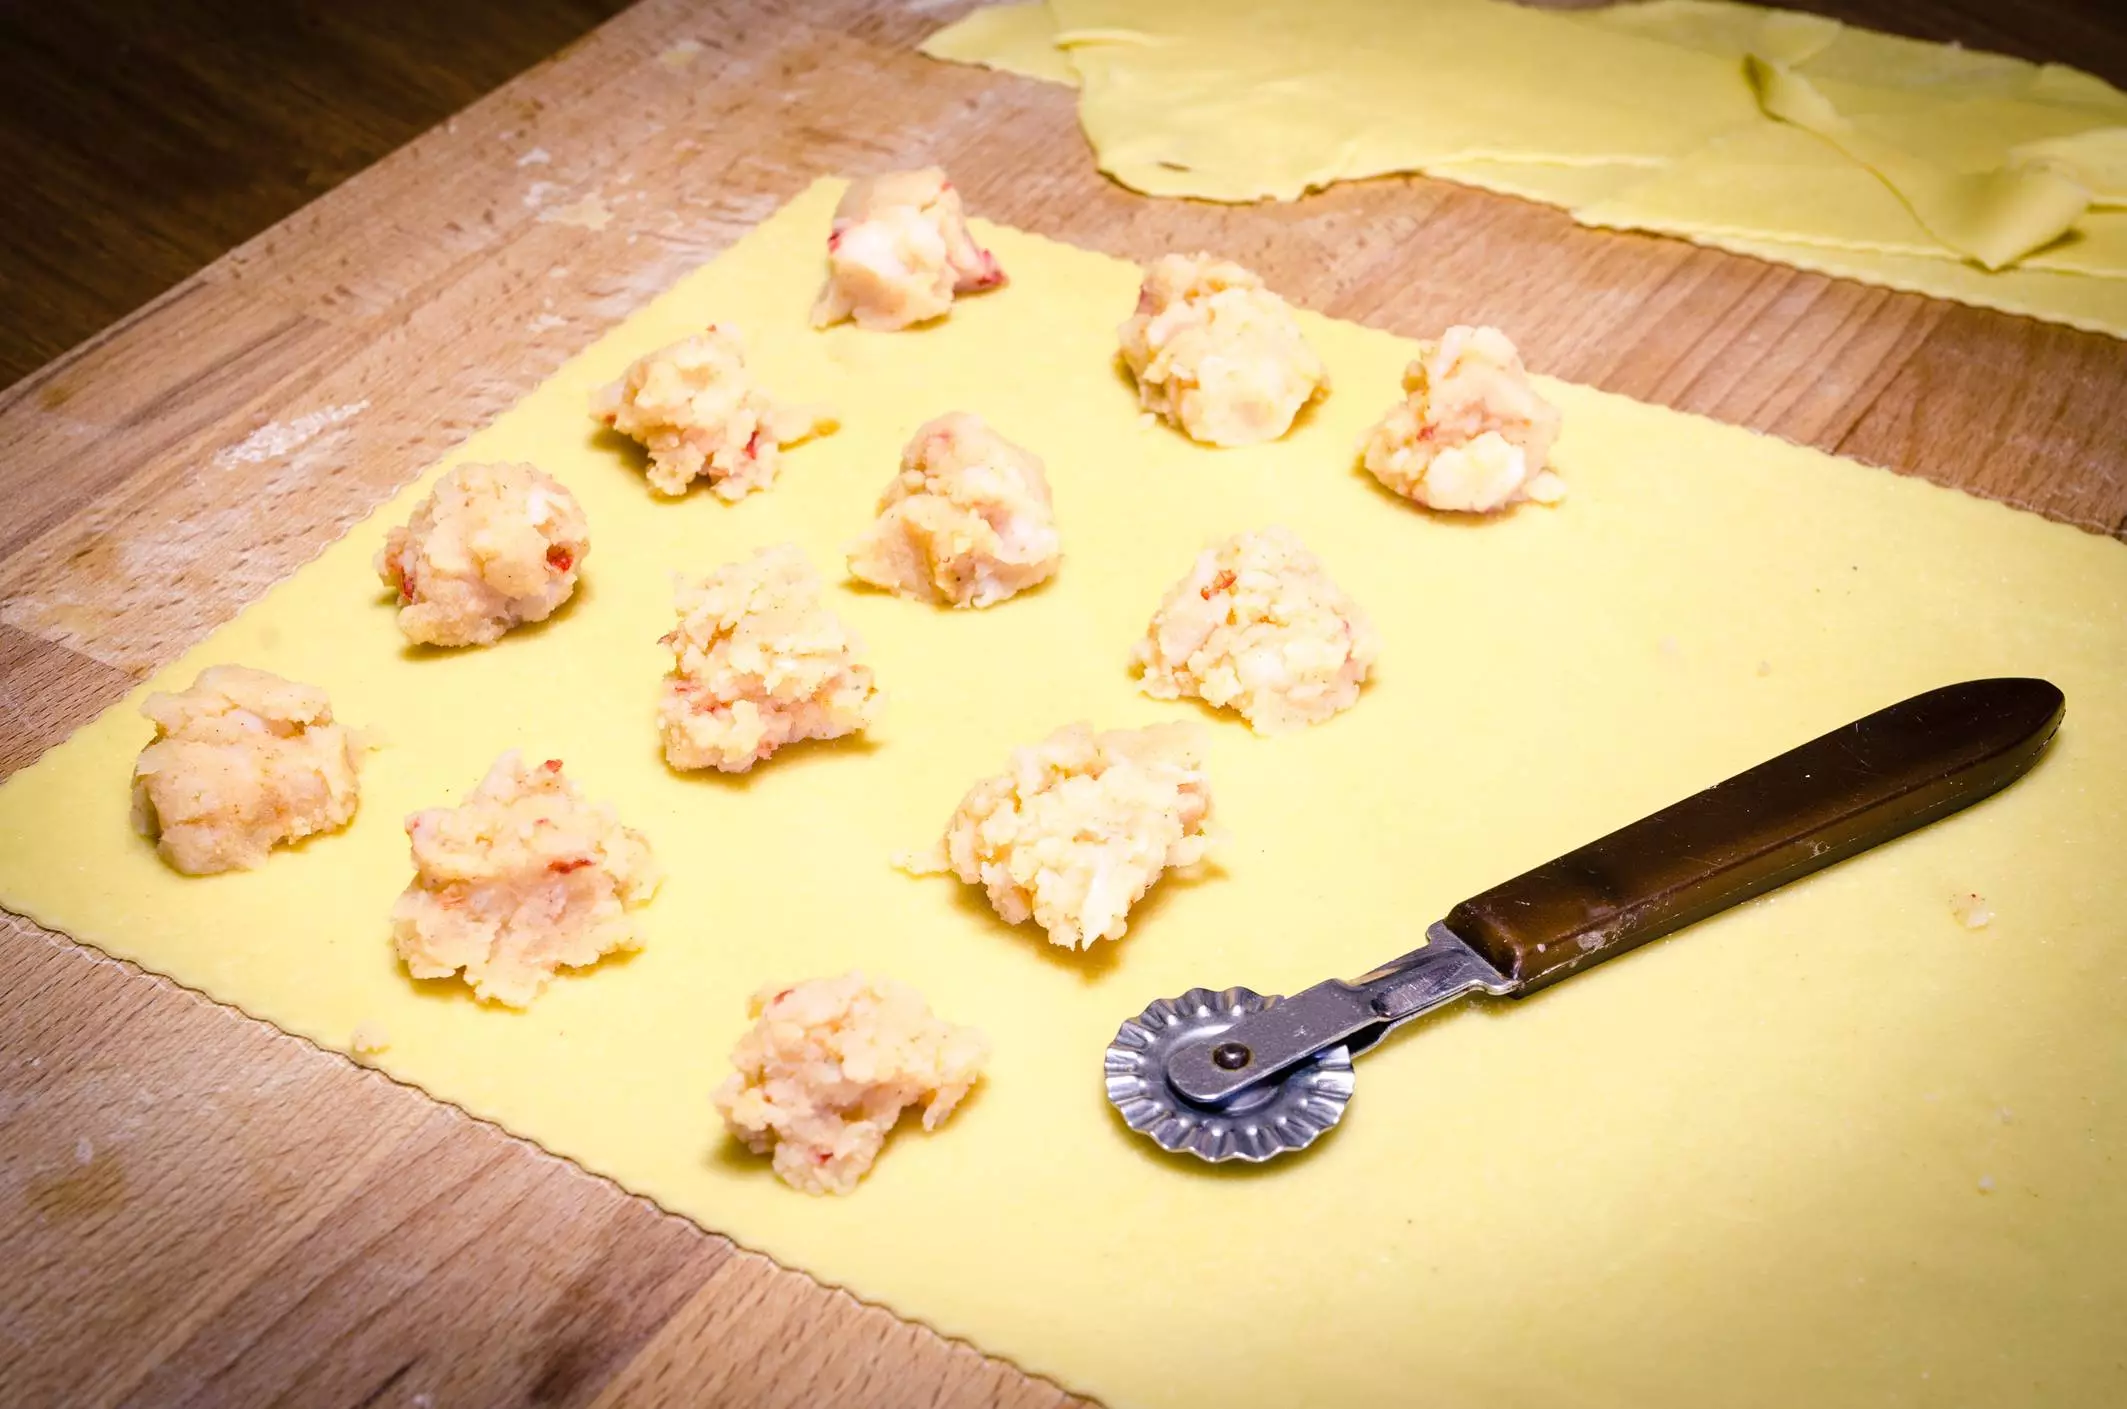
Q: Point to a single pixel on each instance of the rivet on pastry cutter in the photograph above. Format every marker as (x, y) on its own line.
(1233, 1075)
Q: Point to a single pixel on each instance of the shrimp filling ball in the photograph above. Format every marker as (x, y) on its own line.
(522, 879)
(694, 407)
(967, 522)
(1217, 354)
(492, 547)
(829, 1066)
(1079, 827)
(242, 762)
(1471, 436)
(757, 663)
(899, 251)
(1258, 627)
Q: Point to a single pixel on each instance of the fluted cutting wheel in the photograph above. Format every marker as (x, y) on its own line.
(1265, 1120)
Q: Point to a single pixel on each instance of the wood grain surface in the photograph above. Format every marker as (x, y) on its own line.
(157, 134)
(197, 1210)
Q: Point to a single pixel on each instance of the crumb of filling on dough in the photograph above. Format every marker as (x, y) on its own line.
(1079, 827)
(368, 1039)
(520, 880)
(1258, 627)
(1971, 910)
(241, 762)
(694, 407)
(827, 1069)
(757, 663)
(1217, 353)
(1471, 435)
(899, 251)
(492, 547)
(967, 522)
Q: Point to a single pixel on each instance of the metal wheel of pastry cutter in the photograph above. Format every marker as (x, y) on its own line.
(1232, 1075)
(1258, 1122)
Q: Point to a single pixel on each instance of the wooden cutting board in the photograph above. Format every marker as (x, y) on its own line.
(196, 1209)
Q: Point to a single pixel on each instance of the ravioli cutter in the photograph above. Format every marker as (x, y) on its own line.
(1235, 1075)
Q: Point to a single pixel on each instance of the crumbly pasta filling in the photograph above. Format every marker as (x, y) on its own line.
(758, 662)
(241, 762)
(827, 1069)
(1471, 435)
(694, 407)
(492, 547)
(899, 252)
(1217, 354)
(1079, 827)
(521, 880)
(967, 522)
(1258, 627)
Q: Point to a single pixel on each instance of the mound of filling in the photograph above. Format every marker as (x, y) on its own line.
(967, 522)
(899, 252)
(1471, 435)
(694, 407)
(241, 762)
(1258, 627)
(492, 547)
(1079, 827)
(827, 1069)
(757, 663)
(522, 879)
(1218, 354)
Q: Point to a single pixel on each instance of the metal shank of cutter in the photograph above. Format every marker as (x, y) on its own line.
(1287, 1112)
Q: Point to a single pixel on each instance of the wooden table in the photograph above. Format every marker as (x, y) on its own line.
(196, 1209)
(259, 107)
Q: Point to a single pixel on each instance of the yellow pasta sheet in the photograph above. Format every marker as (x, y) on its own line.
(1786, 136)
(1727, 174)
(1017, 39)
(1831, 1149)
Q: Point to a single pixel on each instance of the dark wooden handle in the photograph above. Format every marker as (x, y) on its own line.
(1872, 780)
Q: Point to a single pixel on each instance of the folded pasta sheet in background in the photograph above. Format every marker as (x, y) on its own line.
(1833, 1146)
(1790, 137)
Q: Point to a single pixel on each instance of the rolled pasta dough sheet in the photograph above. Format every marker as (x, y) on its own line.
(1183, 99)
(1017, 39)
(1808, 1152)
